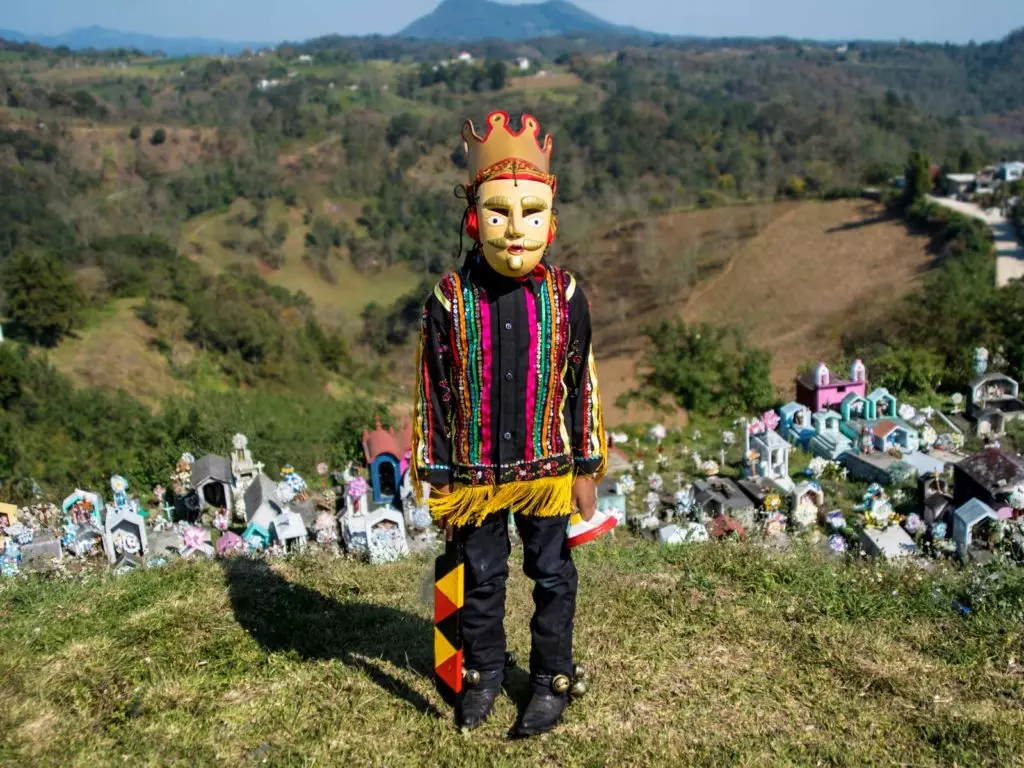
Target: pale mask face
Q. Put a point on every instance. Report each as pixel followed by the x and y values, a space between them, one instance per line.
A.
pixel 514 218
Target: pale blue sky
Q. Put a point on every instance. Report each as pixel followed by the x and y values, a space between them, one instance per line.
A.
pixel 938 20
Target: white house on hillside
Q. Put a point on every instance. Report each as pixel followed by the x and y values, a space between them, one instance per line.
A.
pixel 1011 171
pixel 465 56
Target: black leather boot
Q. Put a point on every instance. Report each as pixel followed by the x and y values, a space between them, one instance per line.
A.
pixel 477 701
pixel 544 712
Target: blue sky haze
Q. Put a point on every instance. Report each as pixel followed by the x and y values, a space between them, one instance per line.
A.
pixel 272 20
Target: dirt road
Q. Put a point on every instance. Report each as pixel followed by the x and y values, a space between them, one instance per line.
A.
pixel 1009 251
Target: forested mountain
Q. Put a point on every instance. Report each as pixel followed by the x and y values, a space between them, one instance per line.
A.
pixel 480 19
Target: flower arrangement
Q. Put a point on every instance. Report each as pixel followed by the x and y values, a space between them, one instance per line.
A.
pixel 837 543
pixel 657 433
pixel 655 481
pixel 221 521
pixel 772 502
pixel 728 437
pixel 835 520
pixel 913 523
pixel 626 485
pixel 653 501
pixel 775 525
pixel 356 488
pixel 710 468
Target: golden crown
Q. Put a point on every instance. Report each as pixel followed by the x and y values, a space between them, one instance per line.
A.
pixel 502 152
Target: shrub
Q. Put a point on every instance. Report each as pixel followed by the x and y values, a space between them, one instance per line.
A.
pixel 159 137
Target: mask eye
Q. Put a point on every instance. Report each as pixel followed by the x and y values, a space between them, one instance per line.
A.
pixel 495 221
pixel 536 221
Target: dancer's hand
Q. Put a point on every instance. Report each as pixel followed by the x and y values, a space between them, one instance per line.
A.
pixel 584 496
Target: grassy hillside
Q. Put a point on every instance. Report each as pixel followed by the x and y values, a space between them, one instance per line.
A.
pixel 711 655
pixel 788 274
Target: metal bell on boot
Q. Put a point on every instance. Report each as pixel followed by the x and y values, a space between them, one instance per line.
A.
pixel 471 677
pixel 579 681
pixel 560 684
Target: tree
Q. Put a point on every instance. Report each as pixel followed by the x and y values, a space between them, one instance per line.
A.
pixel 704 368
pixel 497 73
pixel 134 133
pixel 918 177
pixel 967 162
pixel 159 137
pixel 41 300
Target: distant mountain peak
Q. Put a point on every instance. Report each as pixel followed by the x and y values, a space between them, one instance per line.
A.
pixel 461 20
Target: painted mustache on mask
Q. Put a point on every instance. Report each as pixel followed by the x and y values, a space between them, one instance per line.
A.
pixel 502 243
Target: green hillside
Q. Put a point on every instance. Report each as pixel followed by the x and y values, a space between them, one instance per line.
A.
pixel 706 655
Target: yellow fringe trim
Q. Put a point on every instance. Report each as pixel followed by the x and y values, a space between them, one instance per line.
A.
pixel 471 504
pixel 417 422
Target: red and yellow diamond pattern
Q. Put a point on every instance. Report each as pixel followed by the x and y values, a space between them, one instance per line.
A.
pixel 449 587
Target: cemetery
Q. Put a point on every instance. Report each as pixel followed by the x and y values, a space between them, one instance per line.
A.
pixel 854 469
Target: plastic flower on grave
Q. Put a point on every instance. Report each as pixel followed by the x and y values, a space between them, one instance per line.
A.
pixel 728 437
pixel 775 525
pixel 193 537
pixel 657 433
pixel 126 543
pixel 805 515
pixel 655 481
pixel 695 435
pixel 356 488
pixel 321 469
pixel 684 499
pixel 285 492
pixel 118 484
pixel 835 520
pixel 772 502
pixel 770 419
pixel 1016 498
pixel 221 522
pixel 158 493
pixel 913 523
pixel 638 467
pixel 928 436
pixel 899 496
pixel 188 458
pixel 837 544
pixel 710 468
pixel 619 438
pixel 295 482
pixel 816 467
pixel 906 411
pixel 653 501
pixel 661 460
pixel 879 513
pixel 626 485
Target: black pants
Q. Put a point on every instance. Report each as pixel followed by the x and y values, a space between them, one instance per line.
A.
pixel 548 562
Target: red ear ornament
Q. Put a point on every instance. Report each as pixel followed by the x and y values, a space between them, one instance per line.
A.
pixel 473 224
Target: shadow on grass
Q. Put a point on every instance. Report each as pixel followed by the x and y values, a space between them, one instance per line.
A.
pixel 285 617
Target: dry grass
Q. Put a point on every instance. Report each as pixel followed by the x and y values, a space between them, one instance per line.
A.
pixel 710 655
pixel 545 82
pixel 790 275
pixel 794 287
pixel 114 353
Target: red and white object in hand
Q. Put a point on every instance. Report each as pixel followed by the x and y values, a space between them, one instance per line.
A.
pixel 581 531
